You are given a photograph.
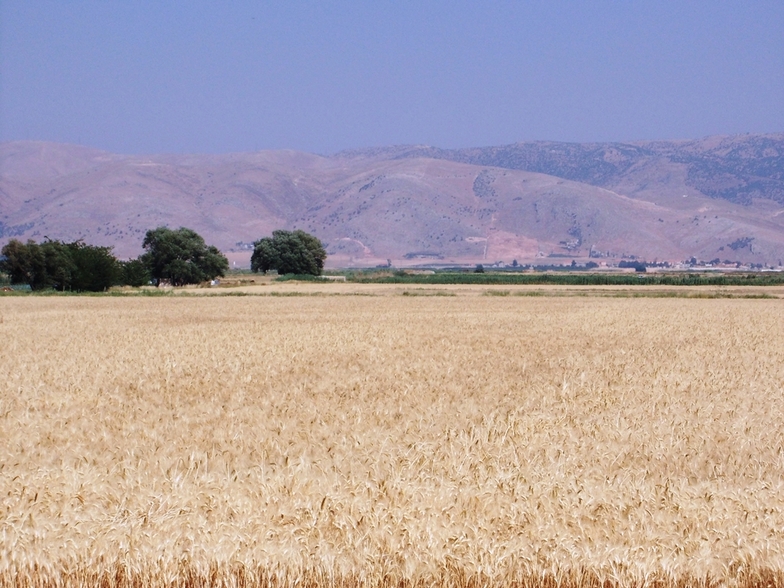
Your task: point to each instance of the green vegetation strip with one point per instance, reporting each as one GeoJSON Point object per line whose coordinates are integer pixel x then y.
{"type": "Point", "coordinates": [631, 294]}
{"type": "Point", "coordinates": [585, 279]}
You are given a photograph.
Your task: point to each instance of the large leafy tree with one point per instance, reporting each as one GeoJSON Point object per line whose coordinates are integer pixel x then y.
{"type": "Point", "coordinates": [59, 266]}
{"type": "Point", "coordinates": [134, 273]}
{"type": "Point", "coordinates": [289, 252]}
{"type": "Point", "coordinates": [94, 268]}
{"type": "Point", "coordinates": [181, 257]}
{"type": "Point", "coordinates": [23, 262]}
{"type": "Point", "coordinates": [47, 265]}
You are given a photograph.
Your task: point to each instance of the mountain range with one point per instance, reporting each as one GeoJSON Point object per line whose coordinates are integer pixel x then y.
{"type": "Point", "coordinates": [542, 202]}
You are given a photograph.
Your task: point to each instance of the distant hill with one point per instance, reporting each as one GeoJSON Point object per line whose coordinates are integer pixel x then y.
{"type": "Point", "coordinates": [719, 197]}
{"type": "Point", "coordinates": [738, 168]}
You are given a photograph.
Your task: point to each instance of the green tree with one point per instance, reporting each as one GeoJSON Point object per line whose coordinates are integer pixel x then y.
{"type": "Point", "coordinates": [47, 265]}
{"type": "Point", "coordinates": [19, 261]}
{"type": "Point", "coordinates": [134, 273]}
{"type": "Point", "coordinates": [43, 266]}
{"type": "Point", "coordinates": [181, 257]}
{"type": "Point", "coordinates": [289, 252]}
{"type": "Point", "coordinates": [58, 265]}
{"type": "Point", "coordinates": [95, 269]}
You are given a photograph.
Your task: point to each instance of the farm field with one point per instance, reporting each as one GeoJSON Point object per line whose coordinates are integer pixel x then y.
{"type": "Point", "coordinates": [390, 440]}
{"type": "Point", "coordinates": [267, 286]}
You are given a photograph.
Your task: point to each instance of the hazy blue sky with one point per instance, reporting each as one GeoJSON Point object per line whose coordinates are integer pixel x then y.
{"type": "Point", "coordinates": [195, 76]}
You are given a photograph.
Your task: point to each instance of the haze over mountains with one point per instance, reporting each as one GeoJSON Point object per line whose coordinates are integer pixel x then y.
{"type": "Point", "coordinates": [719, 197]}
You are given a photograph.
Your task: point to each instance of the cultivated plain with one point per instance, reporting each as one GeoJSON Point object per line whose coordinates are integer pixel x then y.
{"type": "Point", "coordinates": [369, 440]}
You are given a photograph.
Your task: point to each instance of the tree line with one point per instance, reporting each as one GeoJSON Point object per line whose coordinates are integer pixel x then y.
{"type": "Point", "coordinates": [171, 256]}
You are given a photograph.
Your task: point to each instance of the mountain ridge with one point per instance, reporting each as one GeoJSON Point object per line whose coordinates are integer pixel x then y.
{"type": "Point", "coordinates": [752, 158]}
{"type": "Point", "coordinates": [717, 197]}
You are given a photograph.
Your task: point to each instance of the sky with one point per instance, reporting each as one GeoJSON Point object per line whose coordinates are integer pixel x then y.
{"type": "Point", "coordinates": [167, 76]}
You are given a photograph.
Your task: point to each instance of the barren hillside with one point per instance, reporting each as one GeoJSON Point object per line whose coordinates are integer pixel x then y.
{"type": "Point", "coordinates": [720, 197]}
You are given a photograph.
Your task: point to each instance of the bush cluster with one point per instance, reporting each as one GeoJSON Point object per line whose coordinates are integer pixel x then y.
{"type": "Point", "coordinates": [176, 257]}
{"type": "Point", "coordinates": [61, 266]}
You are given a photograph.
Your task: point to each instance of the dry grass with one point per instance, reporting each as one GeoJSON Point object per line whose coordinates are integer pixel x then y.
{"type": "Point", "coordinates": [391, 441]}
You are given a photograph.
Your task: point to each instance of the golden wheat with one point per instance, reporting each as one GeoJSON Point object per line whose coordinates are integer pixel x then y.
{"type": "Point", "coordinates": [391, 441]}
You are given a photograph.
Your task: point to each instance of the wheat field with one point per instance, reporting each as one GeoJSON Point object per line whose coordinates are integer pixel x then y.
{"type": "Point", "coordinates": [378, 441]}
